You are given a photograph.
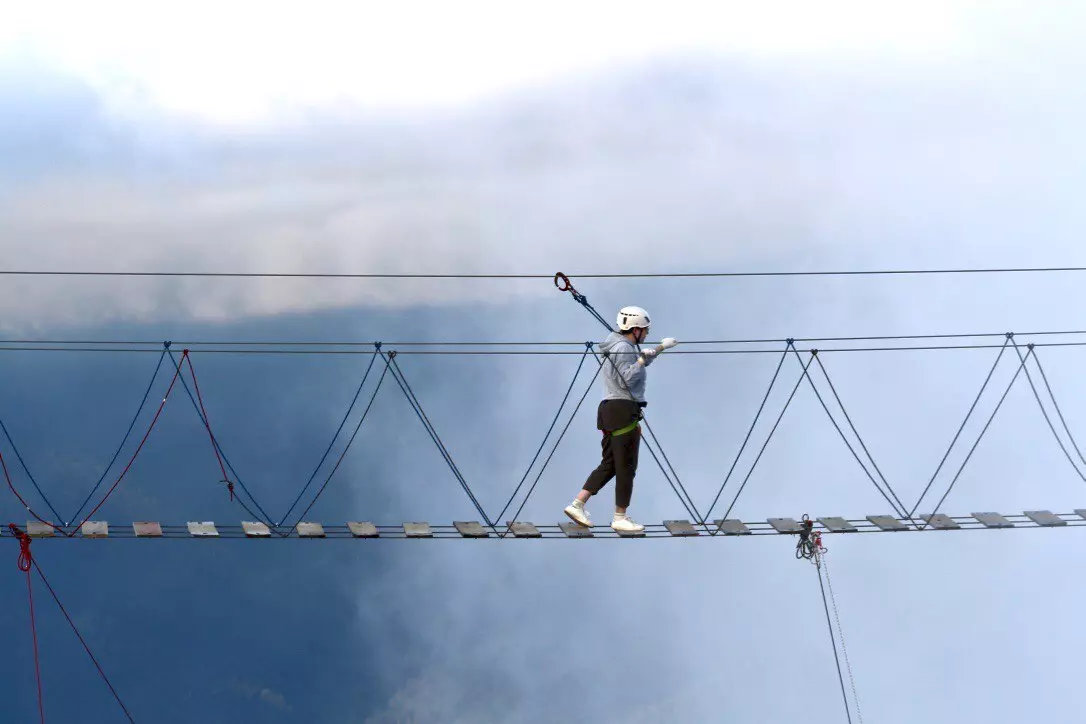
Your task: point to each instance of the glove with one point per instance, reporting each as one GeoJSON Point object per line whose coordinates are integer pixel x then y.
{"type": "Point", "coordinates": [647, 356]}
{"type": "Point", "coordinates": [668, 342]}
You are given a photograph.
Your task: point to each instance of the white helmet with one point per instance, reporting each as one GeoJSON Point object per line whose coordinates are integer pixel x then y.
{"type": "Point", "coordinates": [632, 317]}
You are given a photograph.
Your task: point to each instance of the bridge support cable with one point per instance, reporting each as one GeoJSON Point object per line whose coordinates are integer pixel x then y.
{"type": "Point", "coordinates": [784, 409]}
{"type": "Point", "coordinates": [162, 405]}
{"type": "Point", "coordinates": [1044, 411]}
{"type": "Point", "coordinates": [221, 455]}
{"type": "Point", "coordinates": [750, 431]}
{"type": "Point", "coordinates": [350, 441]}
{"type": "Point", "coordinates": [401, 380]}
{"type": "Point", "coordinates": [124, 440]}
{"type": "Point", "coordinates": [29, 475]}
{"type": "Point", "coordinates": [557, 442]}
{"type": "Point", "coordinates": [1059, 412]}
{"type": "Point", "coordinates": [980, 436]}
{"type": "Point", "coordinates": [693, 510]}
{"type": "Point", "coordinates": [557, 415]}
{"type": "Point", "coordinates": [335, 437]}
{"type": "Point", "coordinates": [1044, 377]}
{"type": "Point", "coordinates": [961, 428]}
{"type": "Point", "coordinates": [894, 503]}
{"type": "Point", "coordinates": [901, 506]}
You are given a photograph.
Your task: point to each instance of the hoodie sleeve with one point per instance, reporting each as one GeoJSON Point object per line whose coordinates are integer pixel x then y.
{"type": "Point", "coordinates": [624, 356]}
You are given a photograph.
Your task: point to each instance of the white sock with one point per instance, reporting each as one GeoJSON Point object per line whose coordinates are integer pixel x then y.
{"type": "Point", "coordinates": [577, 503]}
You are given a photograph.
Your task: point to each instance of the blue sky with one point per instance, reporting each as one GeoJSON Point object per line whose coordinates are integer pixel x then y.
{"type": "Point", "coordinates": [684, 143]}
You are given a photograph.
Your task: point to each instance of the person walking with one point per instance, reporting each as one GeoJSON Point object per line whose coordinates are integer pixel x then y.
{"type": "Point", "coordinates": [618, 417]}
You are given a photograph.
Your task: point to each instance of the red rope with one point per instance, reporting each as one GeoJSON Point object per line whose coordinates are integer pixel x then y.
{"type": "Point", "coordinates": [7, 477]}
{"type": "Point", "coordinates": [176, 374]}
{"type": "Point", "coordinates": [26, 562]}
{"type": "Point", "coordinates": [82, 641]}
{"type": "Point", "coordinates": [207, 424]}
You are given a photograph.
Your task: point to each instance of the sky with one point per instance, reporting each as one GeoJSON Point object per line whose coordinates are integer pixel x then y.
{"type": "Point", "coordinates": [588, 138]}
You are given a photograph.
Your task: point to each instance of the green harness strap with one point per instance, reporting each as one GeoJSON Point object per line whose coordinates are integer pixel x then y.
{"type": "Point", "coordinates": [629, 428]}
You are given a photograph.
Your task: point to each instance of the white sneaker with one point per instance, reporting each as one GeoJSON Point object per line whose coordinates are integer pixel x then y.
{"type": "Point", "coordinates": [623, 524]}
{"type": "Point", "coordinates": [578, 514]}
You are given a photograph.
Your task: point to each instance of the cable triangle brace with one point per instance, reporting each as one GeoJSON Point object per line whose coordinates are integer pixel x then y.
{"type": "Point", "coordinates": [984, 430]}
{"type": "Point", "coordinates": [350, 441]}
{"type": "Point", "coordinates": [1048, 418]}
{"type": "Point", "coordinates": [894, 502]}
{"type": "Point", "coordinates": [772, 431]}
{"type": "Point", "coordinates": [405, 387]}
{"type": "Point", "coordinates": [220, 454]}
{"type": "Point", "coordinates": [350, 408]}
{"type": "Point", "coordinates": [557, 415]}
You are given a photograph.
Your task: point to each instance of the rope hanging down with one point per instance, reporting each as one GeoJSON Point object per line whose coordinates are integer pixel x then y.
{"type": "Point", "coordinates": [809, 547]}
{"type": "Point", "coordinates": [26, 563]}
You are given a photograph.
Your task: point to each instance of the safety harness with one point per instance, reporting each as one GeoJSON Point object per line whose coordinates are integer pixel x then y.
{"type": "Point", "coordinates": [635, 425]}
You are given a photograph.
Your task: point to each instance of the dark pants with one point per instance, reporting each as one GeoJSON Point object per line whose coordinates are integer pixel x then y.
{"type": "Point", "coordinates": [619, 459]}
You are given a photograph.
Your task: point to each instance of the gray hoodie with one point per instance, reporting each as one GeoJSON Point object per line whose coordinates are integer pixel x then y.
{"type": "Point", "coordinates": [621, 366]}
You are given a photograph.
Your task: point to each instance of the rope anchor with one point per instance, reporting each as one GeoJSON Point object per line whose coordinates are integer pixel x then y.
{"type": "Point", "coordinates": [809, 546]}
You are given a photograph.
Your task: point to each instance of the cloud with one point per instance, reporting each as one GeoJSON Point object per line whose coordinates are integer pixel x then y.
{"type": "Point", "coordinates": [384, 56]}
{"type": "Point", "coordinates": [252, 690]}
{"type": "Point", "coordinates": [663, 167]}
